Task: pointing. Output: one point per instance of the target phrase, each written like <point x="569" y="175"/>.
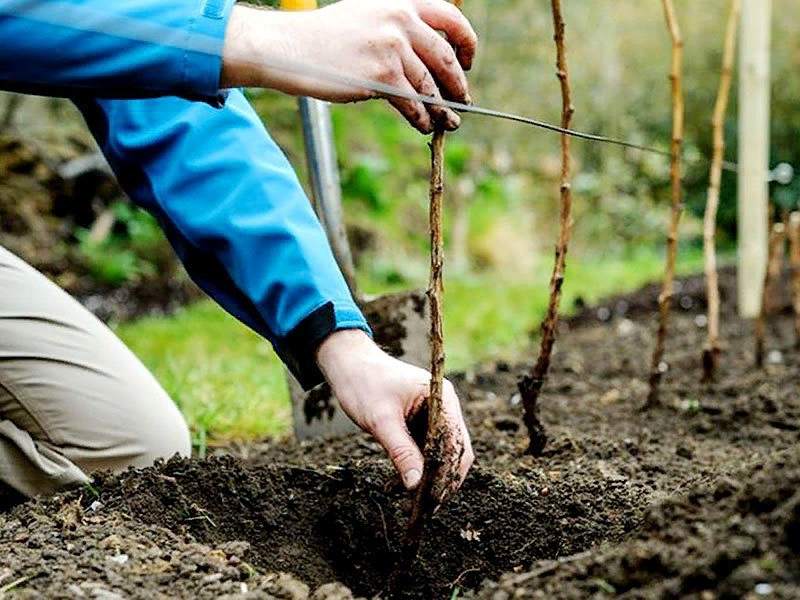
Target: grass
<point x="229" y="383"/>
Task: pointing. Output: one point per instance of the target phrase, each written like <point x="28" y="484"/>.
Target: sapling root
<point x="665" y="299"/>
<point x="712" y="350"/>
<point x="774" y="264"/>
<point x="531" y="385"/>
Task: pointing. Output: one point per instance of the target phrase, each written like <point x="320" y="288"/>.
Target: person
<point x="157" y="82"/>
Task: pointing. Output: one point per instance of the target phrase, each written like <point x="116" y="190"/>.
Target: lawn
<point x="230" y="385"/>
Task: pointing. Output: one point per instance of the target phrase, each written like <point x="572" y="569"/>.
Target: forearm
<point x="236" y="214"/>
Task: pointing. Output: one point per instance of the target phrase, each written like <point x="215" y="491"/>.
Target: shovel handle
<point x="323" y="171"/>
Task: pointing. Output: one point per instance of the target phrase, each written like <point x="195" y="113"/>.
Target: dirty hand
<point x="382" y="394"/>
<point x="394" y="42"/>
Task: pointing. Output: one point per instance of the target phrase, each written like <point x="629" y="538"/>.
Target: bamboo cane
<point x="531" y="384"/>
<point x="793" y="231"/>
<point x="712" y="350"/>
<point x="665" y="299"/>
<point x="774" y="263"/>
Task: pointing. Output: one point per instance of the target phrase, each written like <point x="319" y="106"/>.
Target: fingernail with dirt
<point x="453" y="121"/>
<point x="411" y="478"/>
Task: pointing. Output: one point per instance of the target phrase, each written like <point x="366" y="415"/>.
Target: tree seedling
<point x="777" y="240"/>
<point x="712" y="349"/>
<point x="531" y="385"/>
<point x="665" y="298"/>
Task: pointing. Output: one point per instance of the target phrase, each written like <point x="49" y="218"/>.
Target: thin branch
<point x="425" y="502"/>
<point x="793" y="230"/>
<point x="774" y="263"/>
<point x="531" y="384"/>
<point x="712" y="350"/>
<point x="665" y="299"/>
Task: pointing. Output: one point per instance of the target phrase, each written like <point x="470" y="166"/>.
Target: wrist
<point x="252" y="34"/>
<point x="343" y="353"/>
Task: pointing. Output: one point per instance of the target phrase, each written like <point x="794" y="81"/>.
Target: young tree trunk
<point x="773" y="272"/>
<point x="531" y="384"/>
<point x="793" y="231"/>
<point x="657" y="368"/>
<point x="712" y="350"/>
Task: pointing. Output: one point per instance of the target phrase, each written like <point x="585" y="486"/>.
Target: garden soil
<point x="698" y="498"/>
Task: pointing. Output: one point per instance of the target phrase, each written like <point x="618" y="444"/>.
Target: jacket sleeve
<point x="113" y="48"/>
<point x="236" y="214"/>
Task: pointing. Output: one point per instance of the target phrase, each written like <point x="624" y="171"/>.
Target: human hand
<point x="394" y="42"/>
<point x="382" y="394"/>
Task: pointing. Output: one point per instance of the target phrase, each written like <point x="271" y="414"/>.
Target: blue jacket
<point x="145" y="74"/>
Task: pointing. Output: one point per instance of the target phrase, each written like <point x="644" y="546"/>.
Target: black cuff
<point x="299" y="347"/>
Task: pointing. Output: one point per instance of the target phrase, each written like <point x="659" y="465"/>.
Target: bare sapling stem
<point x="425" y="502"/>
<point x="530" y="386"/>
<point x="434" y="450"/>
<point x="773" y="272"/>
<point x="657" y="368"/>
<point x="793" y="231"/>
<point x="712" y="350"/>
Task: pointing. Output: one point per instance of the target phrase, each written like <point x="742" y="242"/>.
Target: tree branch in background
<point x="793" y="231"/>
<point x="657" y="368"/>
<point x="712" y="350"/>
<point x="774" y="263"/>
<point x="531" y="385"/>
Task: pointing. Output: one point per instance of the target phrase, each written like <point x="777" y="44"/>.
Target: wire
<point x="83" y="18"/>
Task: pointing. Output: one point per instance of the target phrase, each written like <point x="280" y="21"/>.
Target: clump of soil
<point x="695" y="498"/>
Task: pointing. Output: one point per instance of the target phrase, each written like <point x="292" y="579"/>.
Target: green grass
<point x="229" y="383"/>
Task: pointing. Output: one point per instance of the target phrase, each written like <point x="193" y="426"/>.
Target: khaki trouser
<point x="73" y="398"/>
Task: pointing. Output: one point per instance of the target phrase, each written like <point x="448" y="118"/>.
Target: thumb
<point x="402" y="451"/>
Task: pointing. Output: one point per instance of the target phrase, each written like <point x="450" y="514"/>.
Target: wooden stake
<point x="531" y="384"/>
<point x="793" y="231"/>
<point x="773" y="272"/>
<point x="665" y="299"/>
<point x="754" y="148"/>
<point x="712" y="350"/>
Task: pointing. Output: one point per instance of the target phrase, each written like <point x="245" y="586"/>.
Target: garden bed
<point x="697" y="498"/>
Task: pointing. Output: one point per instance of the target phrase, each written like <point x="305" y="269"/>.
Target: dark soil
<point x="697" y="498"/>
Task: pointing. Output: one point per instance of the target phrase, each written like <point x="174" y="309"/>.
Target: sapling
<point x="774" y="264"/>
<point x="435" y="448"/>
<point x="530" y="386"/>
<point x="424" y="501"/>
<point x="657" y="367"/>
<point x="711" y="351"/>
<point x="793" y="231"/>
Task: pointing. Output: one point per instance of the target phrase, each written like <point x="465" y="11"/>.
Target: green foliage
<point x="135" y="248"/>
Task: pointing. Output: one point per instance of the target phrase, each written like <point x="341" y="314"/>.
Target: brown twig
<point x="793" y="231"/>
<point x="774" y="264"/>
<point x="434" y="450"/>
<point x="665" y="299"/>
<point x="531" y="384"/>
<point x="712" y="350"/>
<point x="425" y="501"/>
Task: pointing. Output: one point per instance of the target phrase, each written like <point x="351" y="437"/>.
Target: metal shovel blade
<point x="400" y="324"/>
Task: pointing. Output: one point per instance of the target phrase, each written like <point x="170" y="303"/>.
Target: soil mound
<point x="695" y="499"/>
<point x="341" y="524"/>
<point x="738" y="538"/>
